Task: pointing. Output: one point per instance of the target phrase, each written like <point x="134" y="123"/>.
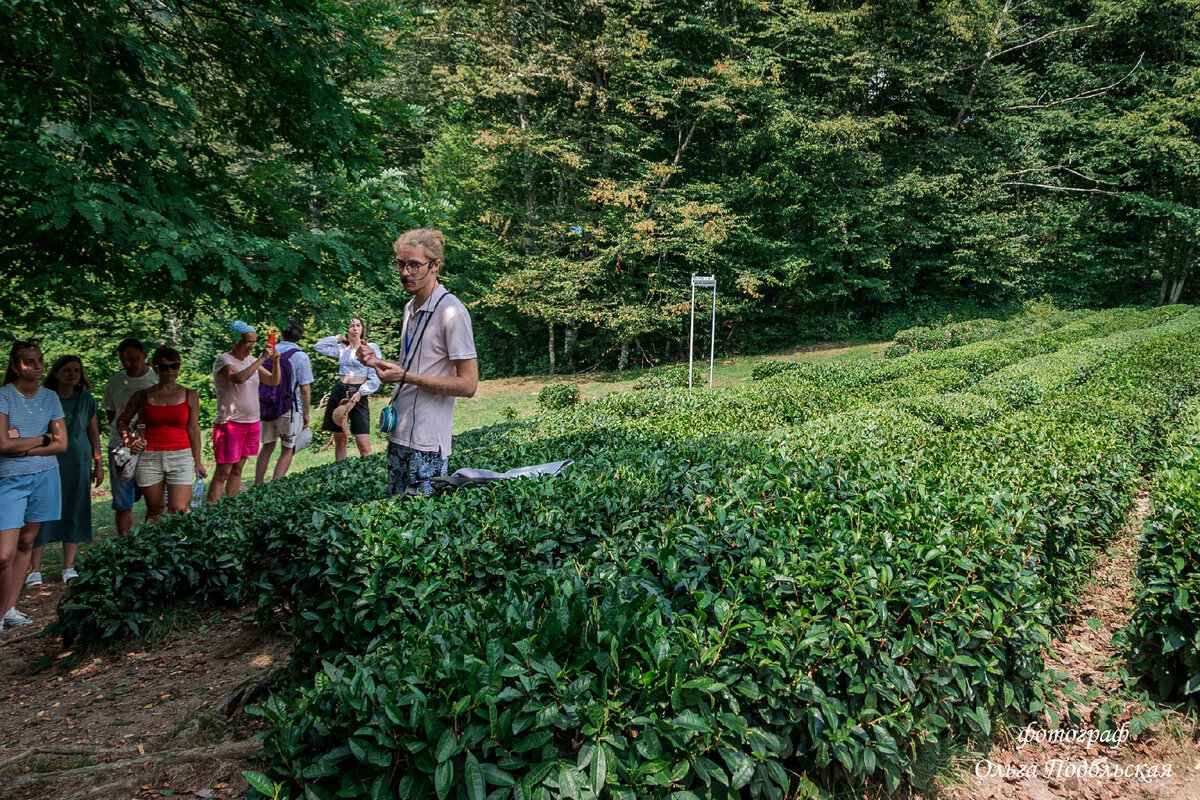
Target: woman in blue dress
<point x="79" y="469"/>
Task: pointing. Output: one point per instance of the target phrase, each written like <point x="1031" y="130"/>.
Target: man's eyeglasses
<point x="167" y="367"/>
<point x="413" y="267"/>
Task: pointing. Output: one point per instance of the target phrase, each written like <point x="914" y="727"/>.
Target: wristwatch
<point x="46" y="439"/>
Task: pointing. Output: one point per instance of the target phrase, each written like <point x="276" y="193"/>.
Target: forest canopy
<point x="834" y="165"/>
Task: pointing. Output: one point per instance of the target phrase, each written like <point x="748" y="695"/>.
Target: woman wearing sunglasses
<point x="169" y="447"/>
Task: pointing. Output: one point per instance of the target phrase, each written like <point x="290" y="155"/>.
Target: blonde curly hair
<point x="429" y="239"/>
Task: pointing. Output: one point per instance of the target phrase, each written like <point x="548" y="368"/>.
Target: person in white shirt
<point x="287" y="428"/>
<point x="356" y="382"/>
<point x="117" y="391"/>
<point x="439" y="364"/>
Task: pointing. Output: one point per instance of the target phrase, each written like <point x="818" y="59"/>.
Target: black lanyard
<point x="407" y="360"/>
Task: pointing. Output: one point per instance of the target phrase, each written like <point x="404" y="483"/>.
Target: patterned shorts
<point x="406" y="466"/>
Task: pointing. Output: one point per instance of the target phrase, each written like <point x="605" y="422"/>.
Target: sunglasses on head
<point x="164" y="366"/>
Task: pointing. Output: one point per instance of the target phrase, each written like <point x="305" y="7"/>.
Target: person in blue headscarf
<point x="236" y="376"/>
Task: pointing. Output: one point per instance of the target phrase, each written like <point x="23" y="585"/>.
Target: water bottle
<point x="197" y="492"/>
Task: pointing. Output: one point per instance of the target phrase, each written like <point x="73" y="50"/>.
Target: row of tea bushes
<point x="741" y="612"/>
<point x="1163" y="636"/>
<point x="1036" y="379"/>
<point x="816" y="390"/>
<point x="125" y="583"/>
<point x="956" y="334"/>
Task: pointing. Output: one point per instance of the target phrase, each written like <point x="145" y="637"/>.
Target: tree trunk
<point x="965" y="109"/>
<point x="1174" y="281"/>
<point x="1177" y="290"/>
<point x="527" y="158"/>
<point x="623" y="361"/>
<point x="550" y="331"/>
<point x="174" y="328"/>
<point x="570" y="340"/>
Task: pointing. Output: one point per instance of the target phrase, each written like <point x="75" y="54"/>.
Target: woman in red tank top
<point x="169" y="442"/>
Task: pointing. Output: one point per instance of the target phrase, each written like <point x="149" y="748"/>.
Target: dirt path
<point x="1034" y="767"/>
<point x="135" y="723"/>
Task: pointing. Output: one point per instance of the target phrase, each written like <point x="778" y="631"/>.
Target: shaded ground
<point x="143" y="722"/>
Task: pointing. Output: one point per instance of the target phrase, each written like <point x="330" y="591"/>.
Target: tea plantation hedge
<point x="1164" y="633"/>
<point x="805" y="582"/>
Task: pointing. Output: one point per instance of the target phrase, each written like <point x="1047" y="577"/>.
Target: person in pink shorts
<point x="236" y="376"/>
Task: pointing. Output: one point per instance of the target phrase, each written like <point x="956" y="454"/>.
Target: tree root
<point x="124" y="787"/>
<point x="237" y="750"/>
<point x="246" y="693"/>
<point x="67" y="750"/>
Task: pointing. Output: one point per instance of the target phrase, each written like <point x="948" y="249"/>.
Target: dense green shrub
<point x="575" y="619"/>
<point x="769" y="369"/>
<point x="793" y="583"/>
<point x="1163" y="636"/>
<point x="675" y="377"/>
<point x="558" y="395"/>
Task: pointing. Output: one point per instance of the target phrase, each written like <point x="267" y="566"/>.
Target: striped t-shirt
<point x="31" y="416"/>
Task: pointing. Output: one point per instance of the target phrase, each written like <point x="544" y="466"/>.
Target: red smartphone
<point x="270" y="339"/>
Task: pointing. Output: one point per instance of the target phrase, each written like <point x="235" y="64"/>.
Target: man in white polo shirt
<point x="135" y="377"/>
<point x="437" y="366"/>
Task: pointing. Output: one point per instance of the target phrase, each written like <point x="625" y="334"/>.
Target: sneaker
<point x="15" y="619"/>
<point x="69" y="574"/>
<point x="34" y="579"/>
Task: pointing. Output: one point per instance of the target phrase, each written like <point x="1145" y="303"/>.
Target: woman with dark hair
<point x="80" y="467"/>
<point x="355" y="384"/>
<point x="32" y="433"/>
<point x="170" y="443"/>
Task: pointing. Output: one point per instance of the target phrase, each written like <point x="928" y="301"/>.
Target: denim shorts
<point x="30" y="498"/>
<point x="124" y="493"/>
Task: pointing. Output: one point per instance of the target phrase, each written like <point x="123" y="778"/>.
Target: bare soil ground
<point x="144" y="721"/>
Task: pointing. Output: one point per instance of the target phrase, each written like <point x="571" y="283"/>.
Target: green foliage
<point x="558" y="396"/>
<point x="1163" y="635"/>
<point x="800" y="582"/>
<point x="769" y="369"/>
<point x="189" y="157"/>
<point x="675" y="377"/>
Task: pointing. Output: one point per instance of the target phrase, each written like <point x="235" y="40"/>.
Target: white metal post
<point x="692" y="335"/>
<point x="705" y="281"/>
<point x="712" y="341"/>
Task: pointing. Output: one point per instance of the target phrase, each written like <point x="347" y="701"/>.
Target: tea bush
<point x="558" y="395"/>
<point x="794" y="584"/>
<point x="675" y="377"/>
<point x="701" y="617"/>
<point x="769" y="369"/>
<point x="1163" y="636"/>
